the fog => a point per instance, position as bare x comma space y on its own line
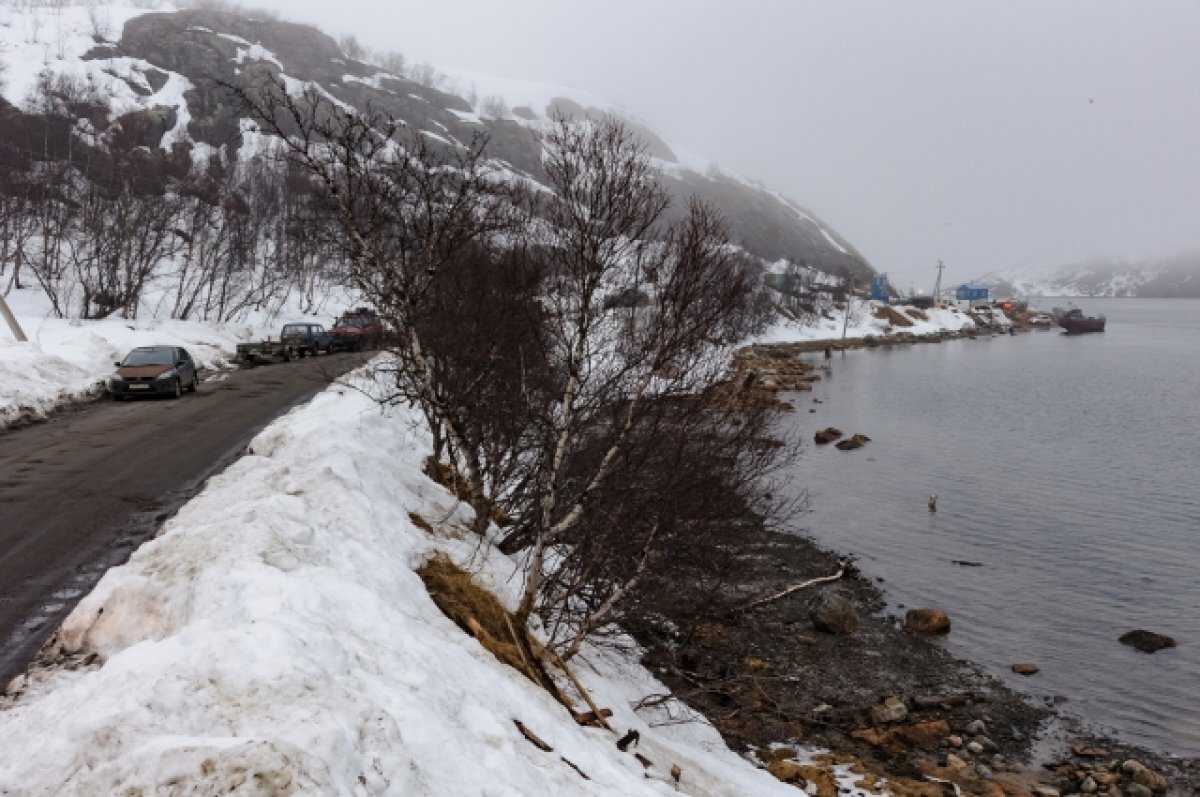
989, 134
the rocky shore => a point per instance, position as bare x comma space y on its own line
825, 666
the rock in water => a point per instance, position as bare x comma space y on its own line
857, 441
1146, 641
927, 621
1024, 668
827, 435
1142, 775
832, 613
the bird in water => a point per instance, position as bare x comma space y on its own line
933, 502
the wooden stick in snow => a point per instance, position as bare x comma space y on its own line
587, 698
532, 737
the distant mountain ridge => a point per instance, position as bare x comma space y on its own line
1173, 277
161, 80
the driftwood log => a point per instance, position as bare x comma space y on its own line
844, 564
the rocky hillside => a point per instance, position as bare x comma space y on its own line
160, 74
1176, 277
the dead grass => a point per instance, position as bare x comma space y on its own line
420, 522
458, 484
477, 612
893, 317
449, 477
917, 313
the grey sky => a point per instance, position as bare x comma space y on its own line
989, 134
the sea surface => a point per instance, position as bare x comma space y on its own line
1068, 468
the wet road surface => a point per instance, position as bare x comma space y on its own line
79, 493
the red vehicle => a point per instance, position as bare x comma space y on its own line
356, 330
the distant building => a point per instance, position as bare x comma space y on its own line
879, 288
971, 292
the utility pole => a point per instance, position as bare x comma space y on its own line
849, 298
937, 286
12, 321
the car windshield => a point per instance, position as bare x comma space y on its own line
351, 321
157, 355
295, 329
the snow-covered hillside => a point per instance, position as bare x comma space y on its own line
1176, 277
274, 638
160, 71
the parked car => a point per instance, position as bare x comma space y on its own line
306, 339
154, 371
357, 329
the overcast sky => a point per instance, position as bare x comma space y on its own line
988, 134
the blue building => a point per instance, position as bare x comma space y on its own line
879, 288
971, 292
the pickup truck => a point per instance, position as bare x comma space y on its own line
295, 341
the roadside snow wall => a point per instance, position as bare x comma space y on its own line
275, 639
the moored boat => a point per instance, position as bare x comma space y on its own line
1074, 321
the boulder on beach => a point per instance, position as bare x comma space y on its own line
890, 710
827, 435
1146, 641
1141, 774
857, 441
927, 621
832, 613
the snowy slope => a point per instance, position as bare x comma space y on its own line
274, 638
863, 322
1170, 277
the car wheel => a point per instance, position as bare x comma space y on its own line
195, 383
115, 396
178, 388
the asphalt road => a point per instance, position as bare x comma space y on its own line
79, 493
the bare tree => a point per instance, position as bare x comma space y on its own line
404, 210
633, 373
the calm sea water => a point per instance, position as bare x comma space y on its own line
1069, 467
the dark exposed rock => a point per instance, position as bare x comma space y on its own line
827, 435
1024, 668
856, 441
1146, 641
833, 613
191, 44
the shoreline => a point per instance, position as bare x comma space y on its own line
797, 670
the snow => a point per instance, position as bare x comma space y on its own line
274, 636
68, 359
831, 240
863, 322
37, 39
256, 52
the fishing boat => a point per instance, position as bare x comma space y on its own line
1075, 322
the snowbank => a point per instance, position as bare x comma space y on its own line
68, 359
863, 322
275, 636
